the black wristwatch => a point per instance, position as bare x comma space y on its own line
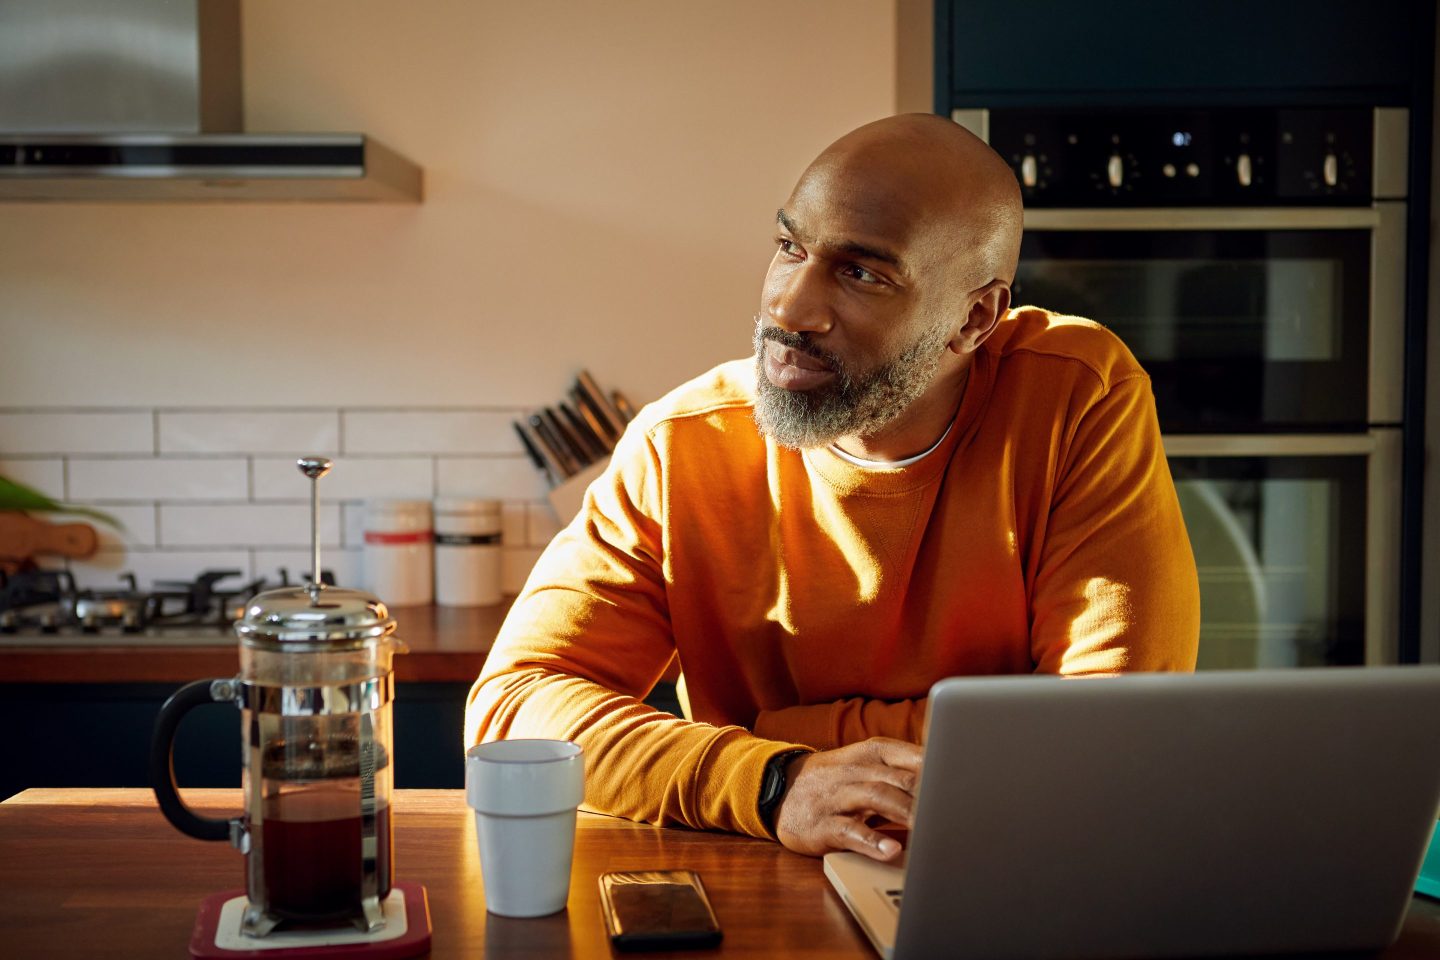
772, 785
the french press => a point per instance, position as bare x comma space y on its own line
314, 692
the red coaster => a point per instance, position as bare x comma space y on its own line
208, 941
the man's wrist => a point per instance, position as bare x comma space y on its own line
773, 784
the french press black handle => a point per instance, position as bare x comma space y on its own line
162, 759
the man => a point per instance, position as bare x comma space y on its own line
938, 485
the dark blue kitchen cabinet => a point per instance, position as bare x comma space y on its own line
98, 735
1212, 52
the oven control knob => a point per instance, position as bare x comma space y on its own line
1242, 169
1029, 170
1115, 171
1331, 170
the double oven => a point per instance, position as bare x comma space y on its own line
1253, 261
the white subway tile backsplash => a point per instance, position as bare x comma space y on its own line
515, 566
354, 478
153, 479
515, 524
138, 525
353, 523
103, 569
246, 525
542, 524
47, 476
429, 431
345, 564
499, 478
199, 489
97, 432
250, 431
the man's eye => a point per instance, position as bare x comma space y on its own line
788, 247
857, 272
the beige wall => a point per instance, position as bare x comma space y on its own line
600, 182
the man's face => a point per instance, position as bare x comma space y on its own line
848, 334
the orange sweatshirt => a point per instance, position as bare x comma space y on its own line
813, 602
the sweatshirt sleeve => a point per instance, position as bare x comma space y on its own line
1116, 588
587, 639
826, 726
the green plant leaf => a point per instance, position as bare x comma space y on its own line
17, 496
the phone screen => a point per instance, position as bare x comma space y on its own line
658, 908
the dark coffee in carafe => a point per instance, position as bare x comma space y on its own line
312, 828
312, 854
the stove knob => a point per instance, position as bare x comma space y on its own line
1115, 171
1242, 169
1332, 170
1029, 171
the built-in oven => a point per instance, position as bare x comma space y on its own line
1253, 261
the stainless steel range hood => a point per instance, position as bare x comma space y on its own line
140, 100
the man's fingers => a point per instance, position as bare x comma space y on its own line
895, 753
852, 834
898, 777
872, 797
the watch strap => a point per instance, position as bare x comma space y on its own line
772, 785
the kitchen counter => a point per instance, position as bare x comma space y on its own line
446, 645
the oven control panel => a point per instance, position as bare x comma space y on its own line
1233, 157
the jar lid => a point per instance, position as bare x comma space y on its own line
415, 507
336, 619
451, 506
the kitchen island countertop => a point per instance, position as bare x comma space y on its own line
446, 645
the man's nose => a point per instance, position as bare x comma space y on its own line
798, 300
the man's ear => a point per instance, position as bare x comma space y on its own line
988, 305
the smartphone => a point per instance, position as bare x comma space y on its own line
657, 909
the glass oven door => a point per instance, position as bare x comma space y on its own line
1248, 321
1295, 539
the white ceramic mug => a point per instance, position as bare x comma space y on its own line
524, 794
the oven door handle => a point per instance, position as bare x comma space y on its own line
1269, 445
1205, 218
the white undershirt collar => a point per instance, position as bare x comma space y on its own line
891, 464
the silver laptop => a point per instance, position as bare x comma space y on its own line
1161, 815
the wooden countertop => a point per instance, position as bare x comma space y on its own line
447, 645
98, 873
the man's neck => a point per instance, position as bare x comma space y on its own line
918, 427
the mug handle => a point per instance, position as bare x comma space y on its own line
162, 760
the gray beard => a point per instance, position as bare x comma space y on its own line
851, 404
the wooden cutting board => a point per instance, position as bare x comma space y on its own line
22, 536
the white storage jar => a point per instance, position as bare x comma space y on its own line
399, 557
467, 552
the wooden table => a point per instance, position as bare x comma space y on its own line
99, 873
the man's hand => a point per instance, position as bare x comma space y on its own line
830, 796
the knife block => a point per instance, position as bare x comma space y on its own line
567, 498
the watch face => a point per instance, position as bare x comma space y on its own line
772, 786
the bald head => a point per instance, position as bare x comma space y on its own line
954, 197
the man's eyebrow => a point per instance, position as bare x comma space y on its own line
870, 253
849, 247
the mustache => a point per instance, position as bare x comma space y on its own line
795, 341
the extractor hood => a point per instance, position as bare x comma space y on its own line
140, 100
